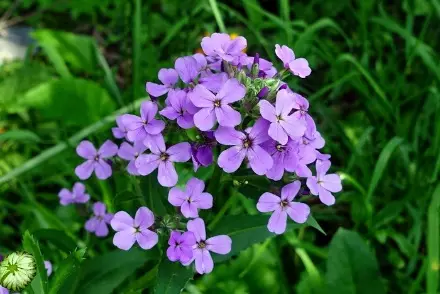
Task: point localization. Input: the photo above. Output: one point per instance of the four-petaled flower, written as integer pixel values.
(131, 153)
(163, 159)
(244, 145)
(221, 45)
(98, 223)
(216, 107)
(95, 160)
(168, 77)
(282, 124)
(78, 195)
(299, 66)
(130, 231)
(322, 184)
(284, 158)
(181, 246)
(181, 108)
(201, 250)
(283, 206)
(191, 199)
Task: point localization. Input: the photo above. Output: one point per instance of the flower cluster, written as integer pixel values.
(224, 102)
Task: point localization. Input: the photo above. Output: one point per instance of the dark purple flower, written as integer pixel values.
(120, 131)
(131, 153)
(263, 92)
(181, 245)
(181, 108)
(78, 195)
(98, 223)
(244, 145)
(130, 231)
(168, 77)
(299, 67)
(95, 160)
(322, 184)
(221, 45)
(201, 155)
(283, 206)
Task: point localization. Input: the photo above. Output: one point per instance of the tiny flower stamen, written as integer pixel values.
(164, 156)
(201, 244)
(217, 103)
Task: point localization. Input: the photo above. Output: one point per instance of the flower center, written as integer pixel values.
(136, 154)
(279, 118)
(201, 244)
(247, 143)
(280, 147)
(137, 229)
(96, 158)
(284, 203)
(164, 156)
(217, 103)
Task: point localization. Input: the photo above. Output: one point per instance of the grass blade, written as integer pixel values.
(433, 242)
(217, 15)
(137, 22)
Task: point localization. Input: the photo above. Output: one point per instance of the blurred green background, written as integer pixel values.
(374, 92)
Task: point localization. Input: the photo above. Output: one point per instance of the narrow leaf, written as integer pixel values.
(39, 284)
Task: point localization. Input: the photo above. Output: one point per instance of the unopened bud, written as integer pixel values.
(263, 92)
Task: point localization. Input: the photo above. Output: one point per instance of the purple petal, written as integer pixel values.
(277, 222)
(174, 238)
(126, 151)
(122, 221)
(231, 159)
(204, 155)
(229, 136)
(156, 143)
(180, 152)
(332, 183)
(147, 163)
(86, 150)
(211, 45)
(284, 53)
(259, 131)
(231, 91)
(91, 224)
(189, 210)
(219, 244)
(144, 218)
(204, 262)
(176, 196)
(156, 90)
(289, 191)
(322, 167)
(173, 253)
(259, 160)
(277, 170)
(202, 97)
(170, 113)
(168, 76)
(101, 229)
(325, 196)
(197, 226)
(194, 187)
(187, 68)
(65, 197)
(267, 110)
(148, 111)
(79, 188)
(118, 133)
(167, 175)
(48, 267)
(268, 202)
(201, 61)
(203, 200)
(214, 82)
(300, 67)
(236, 45)
(99, 208)
(188, 239)
(205, 119)
(185, 121)
(84, 170)
(102, 169)
(186, 254)
(298, 212)
(155, 126)
(284, 103)
(294, 128)
(147, 239)
(227, 116)
(277, 132)
(125, 239)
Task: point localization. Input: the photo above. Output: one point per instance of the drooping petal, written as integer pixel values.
(168, 76)
(300, 67)
(86, 150)
(227, 116)
(298, 212)
(176, 196)
(147, 163)
(167, 175)
(213, 44)
(259, 160)
(148, 111)
(155, 126)
(187, 68)
(277, 222)
(144, 217)
(189, 210)
(147, 239)
(102, 169)
(203, 200)
(124, 240)
(267, 111)
(231, 159)
(219, 244)
(284, 53)
(126, 151)
(332, 183)
(302, 170)
(289, 191)
(229, 136)
(268, 202)
(204, 262)
(322, 168)
(101, 229)
(231, 91)
(194, 187)
(326, 197)
(84, 170)
(156, 90)
(197, 226)
(205, 119)
(122, 221)
(202, 97)
(180, 152)
(277, 132)
(259, 131)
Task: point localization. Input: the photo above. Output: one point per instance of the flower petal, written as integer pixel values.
(219, 244)
(231, 159)
(194, 187)
(156, 90)
(229, 136)
(284, 103)
(197, 226)
(186, 121)
(259, 131)
(84, 170)
(277, 132)
(189, 210)
(124, 239)
(227, 116)
(267, 110)
(326, 197)
(259, 160)
(204, 262)
(203, 200)
(144, 217)
(322, 168)
(202, 97)
(180, 152)
(173, 253)
(298, 212)
(176, 196)
(277, 222)
(148, 111)
(155, 126)
(101, 229)
(300, 67)
(167, 175)
(91, 224)
(205, 119)
(284, 53)
(187, 68)
(155, 143)
(332, 183)
(214, 82)
(86, 150)
(168, 76)
(122, 221)
(147, 163)
(147, 239)
(312, 184)
(126, 151)
(231, 91)
(102, 169)
(294, 128)
(268, 202)
(170, 113)
(289, 191)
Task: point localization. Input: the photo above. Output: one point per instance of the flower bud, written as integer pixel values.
(263, 92)
(255, 66)
(17, 271)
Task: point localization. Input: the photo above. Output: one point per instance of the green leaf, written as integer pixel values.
(154, 194)
(68, 100)
(247, 230)
(172, 277)
(39, 284)
(433, 242)
(351, 267)
(58, 238)
(104, 273)
(20, 136)
(67, 271)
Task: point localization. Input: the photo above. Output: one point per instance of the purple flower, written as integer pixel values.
(216, 107)
(130, 231)
(191, 199)
(282, 124)
(201, 155)
(168, 77)
(284, 158)
(95, 160)
(188, 68)
(77, 195)
(48, 267)
(214, 82)
(163, 159)
(98, 223)
(283, 206)
(244, 145)
(202, 64)
(181, 246)
(304, 156)
(299, 67)
(145, 127)
(312, 141)
(302, 105)
(221, 45)
(120, 131)
(131, 153)
(322, 184)
(3, 290)
(179, 107)
(201, 250)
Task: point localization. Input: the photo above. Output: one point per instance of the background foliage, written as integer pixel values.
(374, 91)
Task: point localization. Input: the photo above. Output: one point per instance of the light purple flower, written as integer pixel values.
(305, 156)
(214, 82)
(216, 107)
(181, 245)
(187, 68)
(168, 77)
(145, 127)
(192, 199)
(201, 250)
(282, 124)
(221, 45)
(202, 64)
(284, 158)
(311, 141)
(323, 184)
(302, 105)
(48, 267)
(283, 206)
(299, 66)
(98, 223)
(181, 108)
(130, 231)
(163, 159)
(244, 145)
(95, 159)
(77, 195)
(131, 153)
(120, 131)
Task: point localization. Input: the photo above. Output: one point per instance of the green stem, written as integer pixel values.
(106, 195)
(231, 200)
(217, 15)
